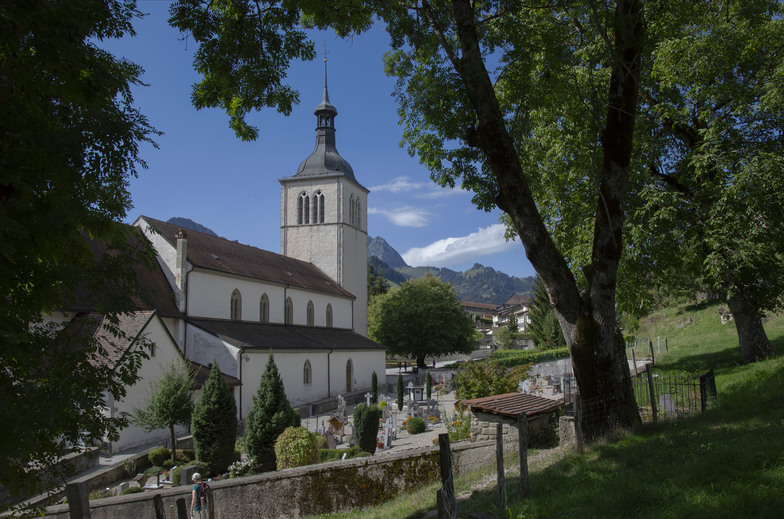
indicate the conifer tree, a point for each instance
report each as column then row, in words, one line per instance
column 374, row 388
column 269, row 416
column 400, row 391
column 214, row 423
column 545, row 330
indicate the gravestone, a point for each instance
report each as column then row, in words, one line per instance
column 186, row 475
column 667, row 404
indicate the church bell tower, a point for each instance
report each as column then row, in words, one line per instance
column 324, row 213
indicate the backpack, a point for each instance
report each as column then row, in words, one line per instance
column 204, row 491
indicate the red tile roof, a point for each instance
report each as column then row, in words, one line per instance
column 513, row 405
column 231, row 257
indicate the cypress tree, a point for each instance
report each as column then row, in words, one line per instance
column 214, row 424
column 366, row 426
column 400, row 391
column 374, row 388
column 429, row 385
column 269, row 416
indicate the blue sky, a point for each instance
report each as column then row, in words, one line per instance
column 203, row 172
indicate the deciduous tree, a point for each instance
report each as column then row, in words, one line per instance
column 69, row 142
column 422, row 318
column 169, row 402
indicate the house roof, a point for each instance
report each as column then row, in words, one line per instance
column 512, row 405
column 265, row 336
column 490, row 308
column 518, row 300
column 129, row 326
column 231, row 257
column 155, row 292
column 203, row 373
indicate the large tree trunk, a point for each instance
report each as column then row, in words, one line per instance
column 753, row 341
column 588, row 319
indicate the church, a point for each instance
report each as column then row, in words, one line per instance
column 233, row 304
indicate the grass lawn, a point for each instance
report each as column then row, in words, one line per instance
column 726, row 462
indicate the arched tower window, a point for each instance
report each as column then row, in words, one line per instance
column 289, row 319
column 264, row 309
column 311, row 313
column 318, row 207
column 329, row 315
column 236, row 305
column 303, row 209
column 351, row 210
column 307, row 373
column 357, row 214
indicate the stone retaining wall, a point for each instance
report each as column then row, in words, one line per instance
column 316, row 489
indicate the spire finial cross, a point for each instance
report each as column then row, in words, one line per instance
column 325, row 64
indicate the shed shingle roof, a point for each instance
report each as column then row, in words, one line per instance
column 513, row 405
column 222, row 255
column 264, row 336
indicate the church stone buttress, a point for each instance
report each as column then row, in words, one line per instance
column 324, row 214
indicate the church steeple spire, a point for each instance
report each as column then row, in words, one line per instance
column 325, row 159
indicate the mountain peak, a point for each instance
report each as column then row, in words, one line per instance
column 379, row 248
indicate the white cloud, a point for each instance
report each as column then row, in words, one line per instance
column 428, row 189
column 453, row 252
column 403, row 216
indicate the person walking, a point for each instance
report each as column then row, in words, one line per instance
column 196, row 495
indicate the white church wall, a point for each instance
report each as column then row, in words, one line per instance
column 291, row 368
column 341, row 308
column 210, row 296
column 151, row 369
column 167, row 254
column 205, row 348
column 356, row 240
column 363, row 365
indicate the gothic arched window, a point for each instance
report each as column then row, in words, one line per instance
column 264, row 309
column 307, row 373
column 236, row 305
column 289, row 319
column 303, row 209
column 318, row 207
column 329, row 316
column 311, row 313
column 351, row 210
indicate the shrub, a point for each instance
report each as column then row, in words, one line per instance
column 169, row 464
column 158, row 455
column 214, row 424
column 241, row 468
column 366, row 426
column 321, row 442
column 459, row 425
column 151, row 471
column 186, row 455
column 132, row 490
column 296, row 447
column 383, row 404
column 337, row 454
column 100, row 494
column 416, row 425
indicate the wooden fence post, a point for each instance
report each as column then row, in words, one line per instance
column 649, row 373
column 522, row 433
column 499, row 464
column 447, row 503
column 78, row 502
column 182, row 509
column 650, row 349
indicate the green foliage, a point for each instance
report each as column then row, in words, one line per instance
column 366, row 426
column 505, row 339
column 416, row 425
column 337, row 454
column 158, row 455
column 321, row 441
column 296, row 447
column 132, row 490
column 69, row 142
column 511, row 358
column 377, row 285
column 374, row 388
column 168, row 402
column 214, row 424
column 422, row 318
column 545, row 329
column 479, row 379
column 399, row 390
column 268, row 417
column 429, row 385
column 458, row 426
